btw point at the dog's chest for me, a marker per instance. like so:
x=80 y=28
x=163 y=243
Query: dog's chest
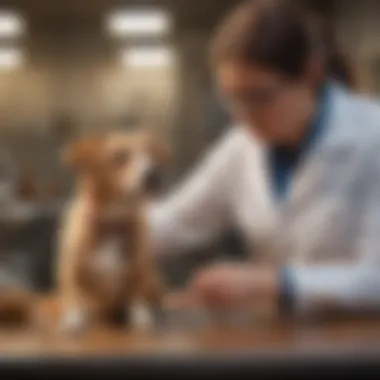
x=109 y=266
x=114 y=248
x=110 y=256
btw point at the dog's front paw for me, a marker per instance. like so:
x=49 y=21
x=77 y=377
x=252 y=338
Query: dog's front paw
x=141 y=317
x=74 y=322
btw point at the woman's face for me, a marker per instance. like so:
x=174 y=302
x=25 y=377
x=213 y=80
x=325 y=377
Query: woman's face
x=273 y=108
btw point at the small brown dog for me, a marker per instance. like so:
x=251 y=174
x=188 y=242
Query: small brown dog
x=106 y=268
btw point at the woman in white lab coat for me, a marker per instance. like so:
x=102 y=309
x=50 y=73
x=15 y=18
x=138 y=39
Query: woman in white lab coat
x=299 y=173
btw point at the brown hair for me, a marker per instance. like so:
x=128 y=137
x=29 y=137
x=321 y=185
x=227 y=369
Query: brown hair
x=280 y=35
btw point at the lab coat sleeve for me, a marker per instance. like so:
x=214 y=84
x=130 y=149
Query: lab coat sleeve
x=350 y=287
x=199 y=208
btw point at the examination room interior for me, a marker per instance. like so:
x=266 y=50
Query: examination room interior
x=68 y=68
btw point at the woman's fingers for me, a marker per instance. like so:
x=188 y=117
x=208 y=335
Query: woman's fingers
x=216 y=287
x=234 y=286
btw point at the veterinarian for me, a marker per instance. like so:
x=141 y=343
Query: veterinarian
x=298 y=173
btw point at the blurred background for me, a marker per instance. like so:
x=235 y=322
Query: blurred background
x=73 y=66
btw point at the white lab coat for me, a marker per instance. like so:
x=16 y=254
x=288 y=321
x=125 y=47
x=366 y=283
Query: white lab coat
x=327 y=231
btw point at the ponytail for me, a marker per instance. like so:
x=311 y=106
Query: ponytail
x=338 y=65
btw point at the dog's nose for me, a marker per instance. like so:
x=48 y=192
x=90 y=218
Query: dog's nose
x=152 y=180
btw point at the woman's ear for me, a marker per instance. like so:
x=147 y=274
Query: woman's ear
x=314 y=71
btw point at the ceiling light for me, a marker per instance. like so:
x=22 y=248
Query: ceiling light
x=11 y=24
x=148 y=57
x=126 y=23
x=10 y=58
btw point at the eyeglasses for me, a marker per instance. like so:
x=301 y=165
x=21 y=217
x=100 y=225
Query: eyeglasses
x=255 y=99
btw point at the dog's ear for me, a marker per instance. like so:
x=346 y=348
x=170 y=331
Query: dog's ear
x=158 y=147
x=160 y=150
x=79 y=155
x=72 y=155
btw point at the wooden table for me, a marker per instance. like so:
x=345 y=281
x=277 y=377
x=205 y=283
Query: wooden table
x=263 y=347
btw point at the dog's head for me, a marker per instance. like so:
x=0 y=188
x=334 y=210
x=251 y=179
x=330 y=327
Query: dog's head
x=120 y=164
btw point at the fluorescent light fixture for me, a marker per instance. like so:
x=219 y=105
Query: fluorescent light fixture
x=10 y=58
x=145 y=57
x=143 y=22
x=11 y=25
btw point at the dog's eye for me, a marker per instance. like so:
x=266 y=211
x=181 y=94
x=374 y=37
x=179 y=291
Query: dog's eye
x=120 y=158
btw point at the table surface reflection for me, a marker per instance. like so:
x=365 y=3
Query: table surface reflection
x=264 y=337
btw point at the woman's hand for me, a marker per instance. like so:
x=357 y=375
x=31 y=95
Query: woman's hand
x=234 y=286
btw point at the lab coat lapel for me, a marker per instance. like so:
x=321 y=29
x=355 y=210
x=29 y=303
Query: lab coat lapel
x=264 y=221
x=306 y=206
x=272 y=247
x=317 y=162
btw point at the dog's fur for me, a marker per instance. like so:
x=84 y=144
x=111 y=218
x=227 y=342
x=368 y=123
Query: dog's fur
x=106 y=268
